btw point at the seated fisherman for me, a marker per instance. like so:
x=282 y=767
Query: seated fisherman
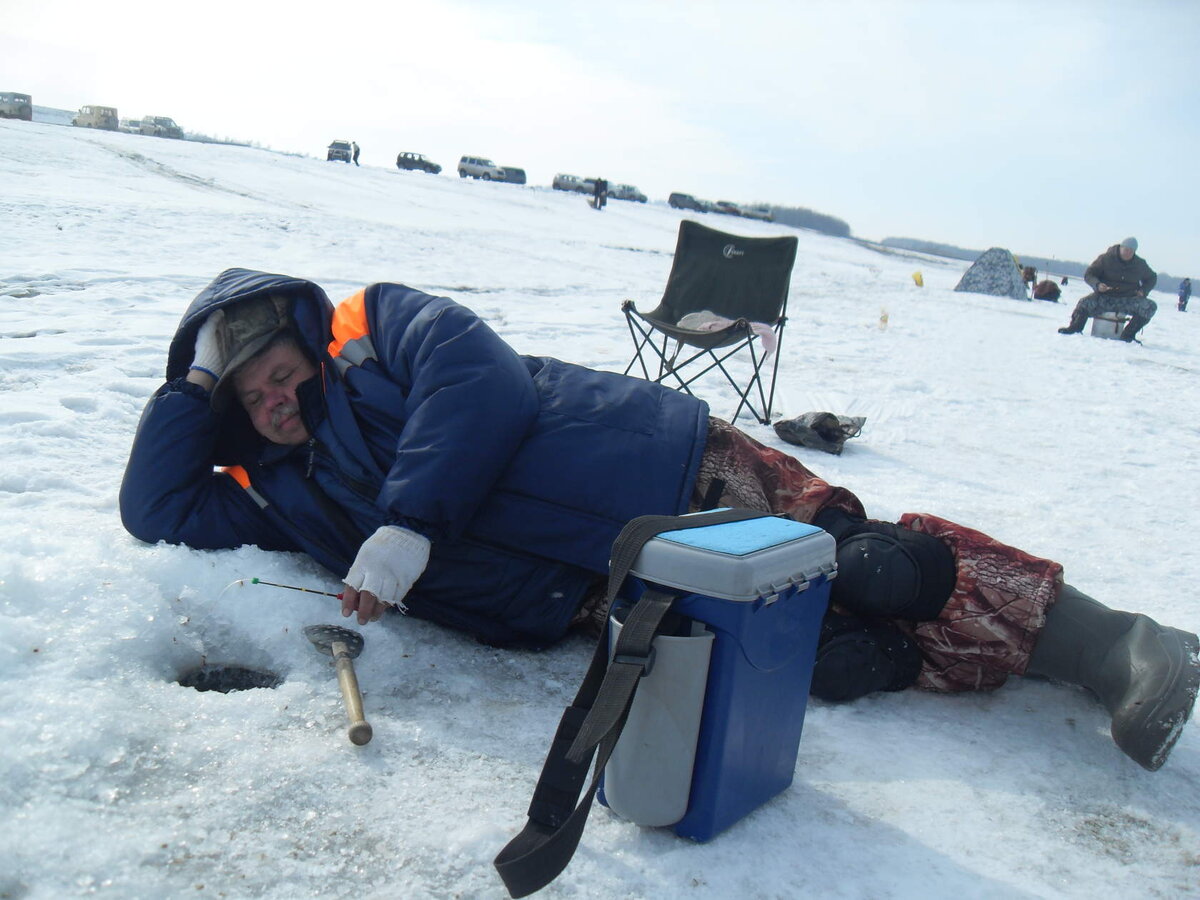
x=398 y=441
x=1121 y=283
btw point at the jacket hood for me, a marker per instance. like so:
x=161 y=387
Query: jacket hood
x=311 y=310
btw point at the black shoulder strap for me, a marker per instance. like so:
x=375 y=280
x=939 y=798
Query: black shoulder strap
x=537 y=855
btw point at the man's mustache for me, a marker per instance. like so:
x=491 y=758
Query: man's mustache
x=282 y=413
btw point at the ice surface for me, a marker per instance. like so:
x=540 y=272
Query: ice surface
x=116 y=781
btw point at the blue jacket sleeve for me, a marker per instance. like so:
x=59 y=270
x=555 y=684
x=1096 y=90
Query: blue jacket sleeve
x=469 y=404
x=170 y=491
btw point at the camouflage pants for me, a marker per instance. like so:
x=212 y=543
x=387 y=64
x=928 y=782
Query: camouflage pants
x=991 y=622
x=1096 y=303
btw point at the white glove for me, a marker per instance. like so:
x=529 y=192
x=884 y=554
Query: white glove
x=388 y=563
x=209 y=357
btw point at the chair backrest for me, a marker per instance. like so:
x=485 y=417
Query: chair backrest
x=728 y=274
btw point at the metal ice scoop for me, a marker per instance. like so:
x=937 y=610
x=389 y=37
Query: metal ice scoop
x=344 y=646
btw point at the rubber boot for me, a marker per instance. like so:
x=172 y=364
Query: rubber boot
x=1145 y=674
x=1078 y=320
x=1132 y=327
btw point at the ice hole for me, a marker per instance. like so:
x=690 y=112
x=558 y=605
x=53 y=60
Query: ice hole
x=228 y=678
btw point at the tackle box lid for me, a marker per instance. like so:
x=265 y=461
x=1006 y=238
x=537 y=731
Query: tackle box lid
x=738 y=560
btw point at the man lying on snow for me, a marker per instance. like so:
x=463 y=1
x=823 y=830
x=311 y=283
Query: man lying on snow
x=401 y=443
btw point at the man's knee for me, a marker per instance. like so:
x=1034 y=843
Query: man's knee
x=1087 y=305
x=890 y=572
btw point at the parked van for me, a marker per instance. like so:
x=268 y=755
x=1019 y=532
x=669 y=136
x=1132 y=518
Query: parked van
x=513 y=174
x=479 y=167
x=97 y=117
x=16 y=106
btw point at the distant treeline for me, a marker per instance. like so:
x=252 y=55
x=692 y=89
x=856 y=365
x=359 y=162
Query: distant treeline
x=209 y=139
x=799 y=217
x=1056 y=267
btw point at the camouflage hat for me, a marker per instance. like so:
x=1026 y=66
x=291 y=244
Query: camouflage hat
x=245 y=330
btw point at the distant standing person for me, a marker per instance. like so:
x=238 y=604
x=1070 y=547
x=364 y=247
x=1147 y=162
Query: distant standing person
x=355 y=148
x=1121 y=282
x=1185 y=293
x=1029 y=276
x=599 y=193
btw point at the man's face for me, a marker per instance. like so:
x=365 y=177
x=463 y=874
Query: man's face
x=266 y=388
x=1126 y=254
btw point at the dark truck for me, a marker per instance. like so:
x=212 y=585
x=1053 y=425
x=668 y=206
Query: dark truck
x=16 y=106
x=418 y=162
x=339 y=151
x=687 y=201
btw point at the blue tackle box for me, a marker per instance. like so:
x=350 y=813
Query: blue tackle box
x=714 y=729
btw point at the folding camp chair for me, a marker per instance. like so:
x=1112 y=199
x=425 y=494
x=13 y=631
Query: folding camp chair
x=741 y=280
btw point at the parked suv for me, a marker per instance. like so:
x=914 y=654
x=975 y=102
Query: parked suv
x=760 y=212
x=16 y=106
x=479 y=167
x=626 y=192
x=687 y=201
x=568 y=183
x=339 y=151
x=96 y=117
x=514 y=175
x=130 y=126
x=161 y=126
x=410 y=161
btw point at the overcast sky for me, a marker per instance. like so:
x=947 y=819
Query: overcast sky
x=1053 y=128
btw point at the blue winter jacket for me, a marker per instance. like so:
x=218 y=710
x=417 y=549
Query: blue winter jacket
x=521 y=470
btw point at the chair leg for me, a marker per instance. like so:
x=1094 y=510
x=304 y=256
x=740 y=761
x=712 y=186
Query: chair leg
x=640 y=338
x=755 y=383
x=671 y=369
x=774 y=374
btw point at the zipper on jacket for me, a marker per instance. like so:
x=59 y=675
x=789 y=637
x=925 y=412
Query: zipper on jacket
x=363 y=490
x=301 y=538
x=360 y=488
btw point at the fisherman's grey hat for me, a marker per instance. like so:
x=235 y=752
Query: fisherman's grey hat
x=245 y=330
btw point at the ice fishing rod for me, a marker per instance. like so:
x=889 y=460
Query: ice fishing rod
x=292 y=587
